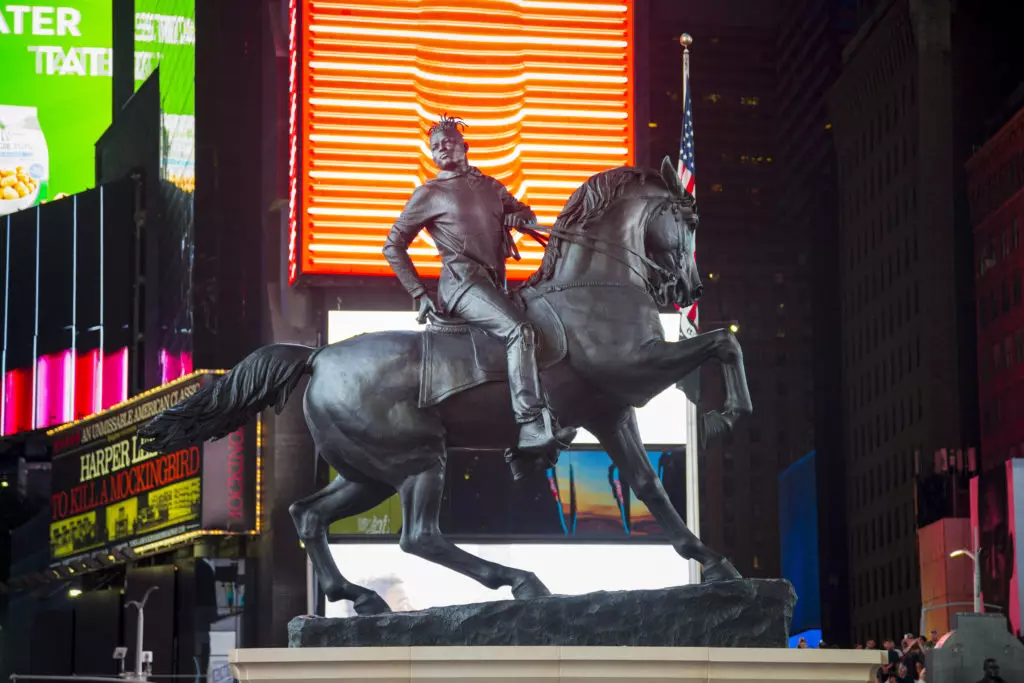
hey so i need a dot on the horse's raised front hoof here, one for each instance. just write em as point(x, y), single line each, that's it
point(721, 570)
point(716, 425)
point(370, 603)
point(529, 587)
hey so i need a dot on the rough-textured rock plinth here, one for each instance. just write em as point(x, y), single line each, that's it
point(742, 613)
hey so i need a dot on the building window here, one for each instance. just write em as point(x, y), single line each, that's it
point(750, 101)
point(1017, 286)
point(1014, 234)
point(714, 98)
point(1008, 351)
point(1018, 343)
point(1005, 290)
point(1004, 238)
point(717, 187)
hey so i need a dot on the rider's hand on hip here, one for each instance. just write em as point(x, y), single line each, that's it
point(426, 307)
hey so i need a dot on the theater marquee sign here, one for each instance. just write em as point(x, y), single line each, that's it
point(108, 492)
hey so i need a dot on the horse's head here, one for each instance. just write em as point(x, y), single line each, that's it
point(627, 224)
point(669, 242)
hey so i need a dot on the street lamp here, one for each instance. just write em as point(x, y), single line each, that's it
point(977, 573)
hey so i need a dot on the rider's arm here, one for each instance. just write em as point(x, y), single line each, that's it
point(414, 216)
point(515, 208)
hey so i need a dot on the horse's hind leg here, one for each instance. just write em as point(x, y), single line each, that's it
point(421, 535)
point(626, 448)
point(313, 515)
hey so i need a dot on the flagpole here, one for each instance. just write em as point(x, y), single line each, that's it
point(692, 433)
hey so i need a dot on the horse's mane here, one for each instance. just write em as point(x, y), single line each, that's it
point(588, 203)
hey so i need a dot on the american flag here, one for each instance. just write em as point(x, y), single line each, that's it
point(687, 160)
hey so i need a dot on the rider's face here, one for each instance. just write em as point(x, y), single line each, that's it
point(448, 150)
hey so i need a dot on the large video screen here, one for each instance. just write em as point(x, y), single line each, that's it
point(409, 583)
point(546, 89)
point(583, 497)
point(55, 97)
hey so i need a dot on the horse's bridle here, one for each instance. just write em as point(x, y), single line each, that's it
point(664, 275)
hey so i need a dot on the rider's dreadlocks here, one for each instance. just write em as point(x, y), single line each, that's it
point(447, 124)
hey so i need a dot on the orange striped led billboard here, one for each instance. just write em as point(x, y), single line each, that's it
point(545, 87)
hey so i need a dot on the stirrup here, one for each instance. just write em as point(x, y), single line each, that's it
point(523, 465)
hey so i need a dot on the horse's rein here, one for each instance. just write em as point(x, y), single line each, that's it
point(537, 232)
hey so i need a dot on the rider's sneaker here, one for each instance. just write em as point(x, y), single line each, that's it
point(539, 435)
point(523, 465)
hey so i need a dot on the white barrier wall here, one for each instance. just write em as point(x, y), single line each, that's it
point(407, 582)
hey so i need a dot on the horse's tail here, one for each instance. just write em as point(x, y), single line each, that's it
point(265, 377)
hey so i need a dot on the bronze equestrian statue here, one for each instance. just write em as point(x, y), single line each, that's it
point(468, 215)
point(384, 408)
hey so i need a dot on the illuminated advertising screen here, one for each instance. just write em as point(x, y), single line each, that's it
point(165, 37)
point(108, 492)
point(55, 97)
point(997, 501)
point(798, 541)
point(582, 496)
point(408, 583)
point(546, 90)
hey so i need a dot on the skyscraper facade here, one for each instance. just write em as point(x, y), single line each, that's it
point(892, 113)
point(810, 37)
point(756, 270)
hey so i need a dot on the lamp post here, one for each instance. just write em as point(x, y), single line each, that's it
point(140, 605)
point(977, 573)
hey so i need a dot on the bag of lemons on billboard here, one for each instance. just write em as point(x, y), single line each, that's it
point(24, 159)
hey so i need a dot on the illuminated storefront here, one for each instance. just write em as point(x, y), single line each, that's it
point(110, 497)
point(546, 89)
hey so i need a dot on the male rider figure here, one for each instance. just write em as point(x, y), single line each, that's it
point(468, 215)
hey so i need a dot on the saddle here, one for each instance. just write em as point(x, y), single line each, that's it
point(458, 356)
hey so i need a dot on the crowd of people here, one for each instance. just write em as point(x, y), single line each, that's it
point(906, 663)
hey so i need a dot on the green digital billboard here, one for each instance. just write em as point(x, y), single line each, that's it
point(165, 37)
point(55, 97)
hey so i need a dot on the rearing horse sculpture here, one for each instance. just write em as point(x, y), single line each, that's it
point(384, 408)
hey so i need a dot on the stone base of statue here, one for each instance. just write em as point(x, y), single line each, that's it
point(743, 613)
point(732, 631)
point(553, 664)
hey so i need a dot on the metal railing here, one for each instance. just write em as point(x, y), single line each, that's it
point(928, 608)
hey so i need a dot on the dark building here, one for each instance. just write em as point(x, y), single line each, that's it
point(918, 80)
point(811, 34)
point(892, 115)
point(756, 270)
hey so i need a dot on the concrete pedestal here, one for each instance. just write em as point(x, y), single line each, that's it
point(553, 664)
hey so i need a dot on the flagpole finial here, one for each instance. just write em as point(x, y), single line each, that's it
point(686, 40)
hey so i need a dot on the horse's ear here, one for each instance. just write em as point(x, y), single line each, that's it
point(668, 174)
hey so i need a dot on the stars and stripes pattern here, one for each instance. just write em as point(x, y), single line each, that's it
point(687, 168)
point(687, 161)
